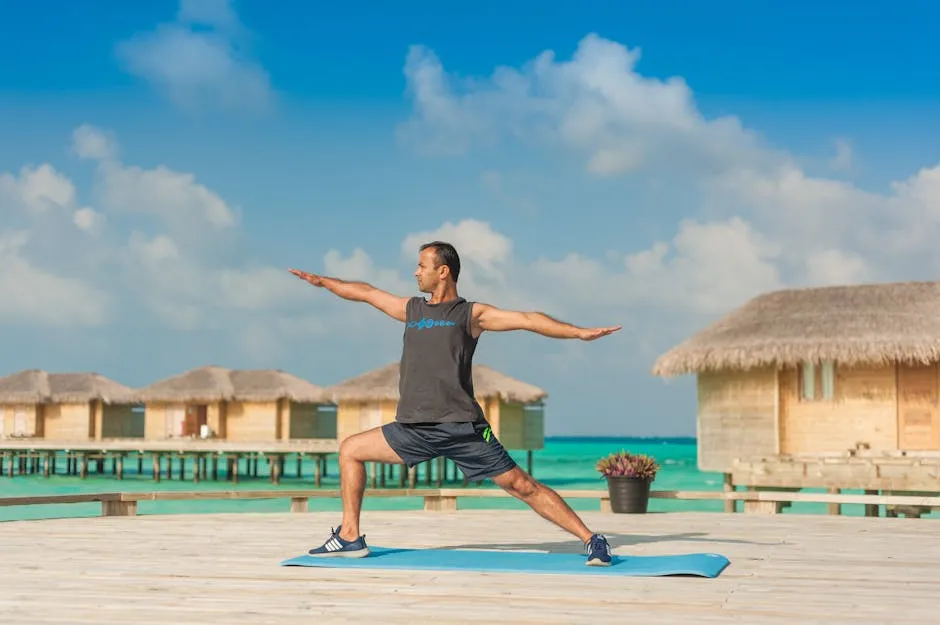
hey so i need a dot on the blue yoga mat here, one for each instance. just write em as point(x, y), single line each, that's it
point(697, 564)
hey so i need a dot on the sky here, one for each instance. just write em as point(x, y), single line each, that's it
point(653, 165)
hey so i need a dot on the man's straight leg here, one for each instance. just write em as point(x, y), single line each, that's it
point(543, 500)
point(479, 454)
point(550, 506)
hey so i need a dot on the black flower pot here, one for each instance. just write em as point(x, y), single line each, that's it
point(628, 495)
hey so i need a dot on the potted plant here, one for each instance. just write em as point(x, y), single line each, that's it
point(629, 477)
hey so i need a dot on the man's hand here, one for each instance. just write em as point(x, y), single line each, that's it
point(589, 334)
point(392, 305)
point(312, 278)
point(492, 319)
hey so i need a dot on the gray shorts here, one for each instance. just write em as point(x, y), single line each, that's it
point(472, 446)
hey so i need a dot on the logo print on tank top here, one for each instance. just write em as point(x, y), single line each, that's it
point(430, 323)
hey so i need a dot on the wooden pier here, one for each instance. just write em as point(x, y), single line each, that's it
point(204, 457)
point(224, 568)
point(201, 460)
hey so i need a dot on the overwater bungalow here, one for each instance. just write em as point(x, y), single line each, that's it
point(67, 407)
point(833, 387)
point(514, 409)
point(237, 405)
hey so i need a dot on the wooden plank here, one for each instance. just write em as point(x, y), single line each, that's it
point(265, 494)
point(446, 498)
point(313, 446)
point(785, 570)
point(885, 472)
point(57, 499)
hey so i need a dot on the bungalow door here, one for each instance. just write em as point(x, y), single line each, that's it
point(196, 417)
point(174, 422)
point(918, 410)
point(20, 422)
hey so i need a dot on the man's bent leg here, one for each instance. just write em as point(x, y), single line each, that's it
point(354, 452)
point(545, 501)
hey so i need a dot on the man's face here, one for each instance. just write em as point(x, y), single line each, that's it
point(428, 274)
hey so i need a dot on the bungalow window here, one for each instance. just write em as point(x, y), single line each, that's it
point(817, 381)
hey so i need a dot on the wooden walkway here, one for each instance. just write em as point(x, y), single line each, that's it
point(196, 569)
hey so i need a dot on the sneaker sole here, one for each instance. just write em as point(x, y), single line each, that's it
point(597, 563)
point(358, 553)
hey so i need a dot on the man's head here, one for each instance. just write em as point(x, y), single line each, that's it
point(437, 262)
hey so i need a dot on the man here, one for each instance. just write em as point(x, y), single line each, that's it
point(438, 414)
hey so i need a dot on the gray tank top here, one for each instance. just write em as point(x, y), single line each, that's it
point(436, 375)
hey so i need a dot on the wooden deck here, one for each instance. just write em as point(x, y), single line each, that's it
point(198, 569)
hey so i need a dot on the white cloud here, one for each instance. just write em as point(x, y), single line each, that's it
point(200, 60)
point(359, 266)
point(166, 271)
point(174, 196)
point(43, 194)
point(90, 142)
point(89, 220)
point(837, 267)
point(29, 293)
point(475, 240)
point(153, 252)
point(36, 189)
point(596, 103)
point(754, 220)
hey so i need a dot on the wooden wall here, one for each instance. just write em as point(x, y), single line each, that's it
point(79, 421)
point(736, 416)
point(353, 417)
point(20, 420)
point(862, 411)
point(68, 422)
point(162, 421)
point(250, 421)
point(875, 409)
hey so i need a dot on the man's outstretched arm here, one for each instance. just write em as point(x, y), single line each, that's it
point(493, 319)
point(392, 305)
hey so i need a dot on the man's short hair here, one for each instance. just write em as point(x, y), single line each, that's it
point(445, 254)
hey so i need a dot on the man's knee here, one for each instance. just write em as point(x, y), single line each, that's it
point(368, 446)
point(352, 447)
point(519, 483)
point(347, 448)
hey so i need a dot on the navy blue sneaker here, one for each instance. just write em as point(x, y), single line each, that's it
point(598, 551)
point(336, 547)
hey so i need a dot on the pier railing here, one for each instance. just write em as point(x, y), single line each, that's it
point(445, 499)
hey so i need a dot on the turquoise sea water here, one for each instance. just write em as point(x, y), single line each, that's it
point(564, 463)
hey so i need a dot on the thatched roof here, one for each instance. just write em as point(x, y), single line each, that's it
point(272, 384)
point(212, 383)
point(81, 387)
point(382, 384)
point(25, 387)
point(35, 386)
point(866, 324)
